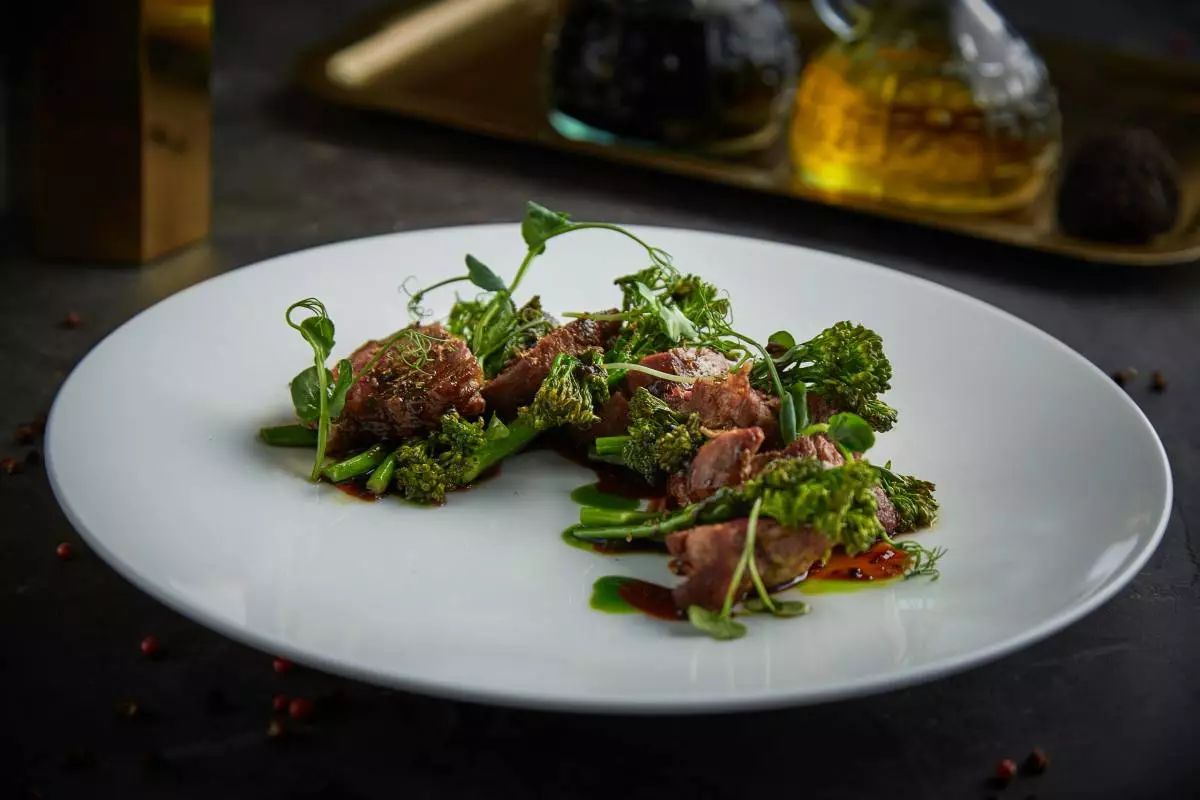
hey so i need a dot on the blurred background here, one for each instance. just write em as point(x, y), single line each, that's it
point(1066, 126)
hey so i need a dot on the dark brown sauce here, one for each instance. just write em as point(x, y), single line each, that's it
point(881, 562)
point(650, 599)
point(356, 488)
point(610, 478)
point(615, 547)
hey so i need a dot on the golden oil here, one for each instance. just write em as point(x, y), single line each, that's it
point(920, 112)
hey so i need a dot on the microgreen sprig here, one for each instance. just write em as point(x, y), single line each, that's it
point(720, 624)
point(849, 432)
point(316, 395)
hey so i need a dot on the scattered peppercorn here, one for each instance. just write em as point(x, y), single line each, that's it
point(39, 424)
point(24, 435)
point(33, 458)
point(130, 709)
point(1158, 381)
point(1036, 762)
point(280, 703)
point(274, 729)
point(1006, 770)
point(72, 320)
point(300, 708)
point(65, 552)
point(150, 647)
point(10, 466)
point(1124, 376)
point(281, 665)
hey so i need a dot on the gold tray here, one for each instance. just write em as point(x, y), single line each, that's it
point(475, 65)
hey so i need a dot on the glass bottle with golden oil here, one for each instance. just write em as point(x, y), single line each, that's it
point(934, 104)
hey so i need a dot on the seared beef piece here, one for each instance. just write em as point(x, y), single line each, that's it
point(689, 362)
point(723, 461)
point(400, 397)
point(732, 458)
point(728, 402)
point(885, 512)
point(614, 420)
point(516, 385)
point(708, 555)
point(819, 409)
point(817, 447)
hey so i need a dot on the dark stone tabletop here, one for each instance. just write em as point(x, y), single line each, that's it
point(1114, 700)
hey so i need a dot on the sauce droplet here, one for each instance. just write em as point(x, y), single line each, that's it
point(878, 566)
point(590, 495)
point(617, 594)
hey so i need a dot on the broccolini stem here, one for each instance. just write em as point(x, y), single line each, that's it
point(289, 436)
point(520, 433)
point(610, 445)
point(590, 516)
point(355, 465)
point(381, 478)
point(677, 522)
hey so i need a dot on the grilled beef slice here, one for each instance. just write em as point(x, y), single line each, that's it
point(409, 388)
point(688, 362)
point(728, 402)
point(614, 421)
point(707, 556)
point(722, 461)
point(516, 385)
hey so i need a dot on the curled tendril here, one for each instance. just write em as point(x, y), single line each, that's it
point(415, 310)
point(414, 357)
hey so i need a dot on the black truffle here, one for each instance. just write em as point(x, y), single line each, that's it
point(1120, 187)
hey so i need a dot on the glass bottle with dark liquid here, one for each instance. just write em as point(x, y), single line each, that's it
point(927, 103)
point(700, 75)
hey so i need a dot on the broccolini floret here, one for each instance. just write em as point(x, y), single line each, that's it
point(913, 498)
point(569, 395)
point(459, 451)
point(425, 469)
point(837, 501)
point(659, 439)
point(845, 365)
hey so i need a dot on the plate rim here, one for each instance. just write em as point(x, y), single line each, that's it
point(736, 702)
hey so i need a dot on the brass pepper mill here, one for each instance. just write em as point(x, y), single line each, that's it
point(110, 128)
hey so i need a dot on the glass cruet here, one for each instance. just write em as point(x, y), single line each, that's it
point(696, 75)
point(927, 103)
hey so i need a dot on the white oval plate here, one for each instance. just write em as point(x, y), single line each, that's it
point(1055, 489)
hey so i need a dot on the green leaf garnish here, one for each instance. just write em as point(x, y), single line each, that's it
point(778, 608)
point(540, 224)
point(482, 276)
point(715, 624)
point(851, 431)
point(337, 396)
point(306, 394)
point(782, 339)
